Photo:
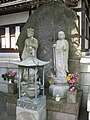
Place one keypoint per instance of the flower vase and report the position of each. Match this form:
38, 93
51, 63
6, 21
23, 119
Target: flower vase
10, 81
71, 96
12, 88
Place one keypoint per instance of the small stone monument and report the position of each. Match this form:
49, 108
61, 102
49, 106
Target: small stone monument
61, 50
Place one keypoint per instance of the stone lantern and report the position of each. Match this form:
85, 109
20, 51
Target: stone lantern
31, 92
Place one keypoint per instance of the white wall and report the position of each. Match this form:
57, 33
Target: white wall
20, 17
6, 58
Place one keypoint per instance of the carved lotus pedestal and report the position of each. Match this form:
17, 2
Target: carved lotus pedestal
12, 88
71, 96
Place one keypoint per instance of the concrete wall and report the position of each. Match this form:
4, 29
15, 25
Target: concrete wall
85, 78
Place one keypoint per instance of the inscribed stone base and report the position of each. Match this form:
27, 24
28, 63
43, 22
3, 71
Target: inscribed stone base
12, 88
71, 96
27, 114
61, 110
60, 90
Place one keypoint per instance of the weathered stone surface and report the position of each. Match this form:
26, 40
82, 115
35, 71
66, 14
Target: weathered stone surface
12, 98
11, 109
61, 110
84, 100
71, 96
27, 114
85, 78
60, 90
85, 67
61, 116
62, 106
11, 101
32, 104
47, 20
85, 88
74, 65
12, 88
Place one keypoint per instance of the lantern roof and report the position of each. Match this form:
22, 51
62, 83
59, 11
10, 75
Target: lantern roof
31, 62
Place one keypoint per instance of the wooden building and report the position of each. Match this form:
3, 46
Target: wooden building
14, 14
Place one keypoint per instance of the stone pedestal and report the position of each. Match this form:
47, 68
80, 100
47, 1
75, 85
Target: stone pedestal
58, 89
61, 110
27, 114
11, 102
59, 80
71, 96
31, 109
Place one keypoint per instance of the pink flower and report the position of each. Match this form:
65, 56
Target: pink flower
72, 80
76, 74
12, 73
72, 89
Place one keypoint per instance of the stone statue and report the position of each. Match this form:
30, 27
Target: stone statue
30, 49
61, 56
31, 45
61, 50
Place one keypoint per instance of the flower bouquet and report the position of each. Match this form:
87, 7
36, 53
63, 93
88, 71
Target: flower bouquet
72, 80
10, 76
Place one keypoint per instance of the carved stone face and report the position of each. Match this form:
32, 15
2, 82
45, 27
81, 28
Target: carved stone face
61, 35
30, 32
